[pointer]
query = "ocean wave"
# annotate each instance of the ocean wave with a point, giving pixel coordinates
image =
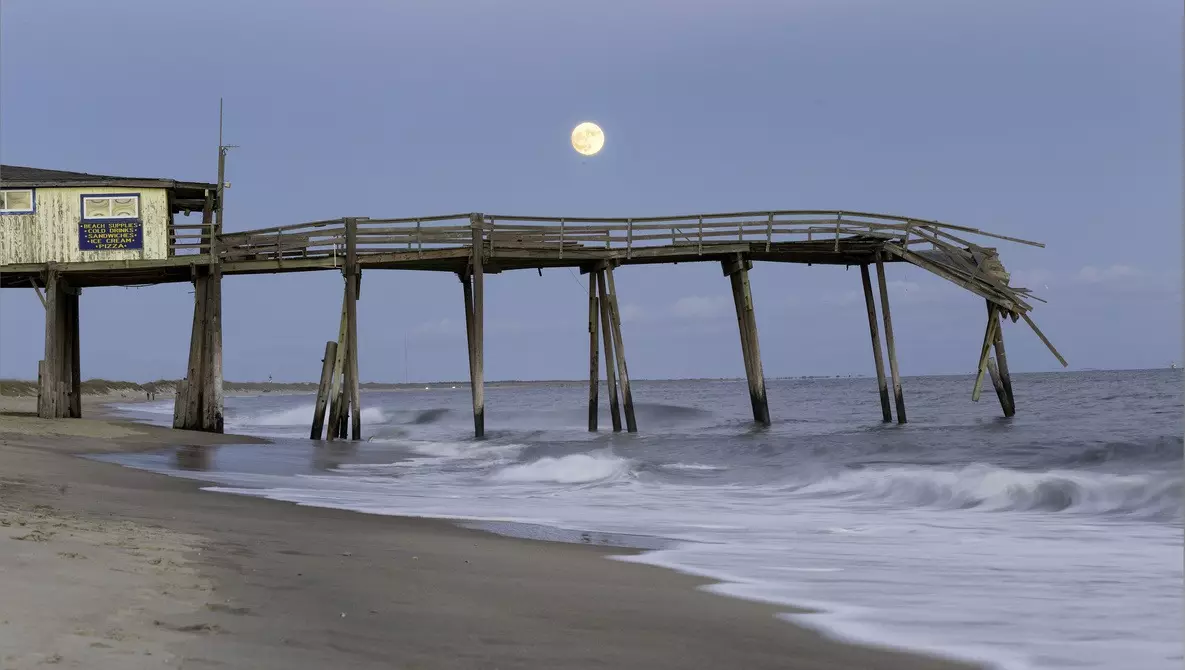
(570, 469)
(302, 415)
(991, 488)
(692, 466)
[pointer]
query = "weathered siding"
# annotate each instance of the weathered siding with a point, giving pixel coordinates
(51, 233)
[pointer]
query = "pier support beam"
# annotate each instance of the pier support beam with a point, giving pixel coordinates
(610, 359)
(881, 384)
(199, 400)
(474, 318)
(898, 394)
(594, 372)
(353, 277)
(737, 271)
(1009, 407)
(323, 390)
(59, 383)
(337, 386)
(623, 375)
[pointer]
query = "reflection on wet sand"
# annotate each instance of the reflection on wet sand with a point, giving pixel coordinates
(330, 455)
(194, 457)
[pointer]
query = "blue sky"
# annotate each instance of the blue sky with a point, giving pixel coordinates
(1057, 120)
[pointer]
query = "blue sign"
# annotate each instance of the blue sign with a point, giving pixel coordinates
(110, 235)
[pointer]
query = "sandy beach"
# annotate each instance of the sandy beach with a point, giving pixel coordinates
(107, 567)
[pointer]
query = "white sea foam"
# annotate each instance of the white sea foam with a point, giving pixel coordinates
(302, 415)
(1002, 489)
(571, 469)
(693, 466)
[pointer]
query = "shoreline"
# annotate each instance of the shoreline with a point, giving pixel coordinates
(254, 552)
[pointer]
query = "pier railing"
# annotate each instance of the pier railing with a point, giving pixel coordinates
(700, 232)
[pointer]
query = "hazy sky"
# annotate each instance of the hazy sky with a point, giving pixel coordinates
(1057, 120)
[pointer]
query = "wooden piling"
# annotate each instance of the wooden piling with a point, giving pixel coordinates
(191, 419)
(352, 277)
(737, 271)
(881, 383)
(610, 360)
(211, 419)
(323, 389)
(51, 369)
(998, 384)
(1002, 361)
(594, 372)
(179, 399)
(898, 394)
(623, 375)
(75, 356)
(336, 411)
(477, 222)
(985, 352)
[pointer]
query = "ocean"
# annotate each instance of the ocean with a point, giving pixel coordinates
(1050, 540)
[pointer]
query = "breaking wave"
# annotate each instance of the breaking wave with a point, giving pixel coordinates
(571, 469)
(303, 415)
(991, 488)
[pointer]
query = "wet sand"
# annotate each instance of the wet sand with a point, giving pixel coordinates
(118, 568)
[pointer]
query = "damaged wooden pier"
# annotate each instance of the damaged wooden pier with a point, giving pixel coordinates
(473, 245)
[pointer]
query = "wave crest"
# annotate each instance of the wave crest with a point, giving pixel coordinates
(1001, 489)
(571, 469)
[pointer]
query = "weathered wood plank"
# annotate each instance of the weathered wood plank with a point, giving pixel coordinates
(737, 271)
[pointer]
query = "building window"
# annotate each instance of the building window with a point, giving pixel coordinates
(108, 207)
(16, 201)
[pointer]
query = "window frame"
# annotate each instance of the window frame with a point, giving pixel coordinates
(108, 196)
(4, 211)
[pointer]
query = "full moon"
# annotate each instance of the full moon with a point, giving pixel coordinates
(587, 138)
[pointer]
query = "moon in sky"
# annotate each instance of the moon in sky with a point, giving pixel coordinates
(588, 138)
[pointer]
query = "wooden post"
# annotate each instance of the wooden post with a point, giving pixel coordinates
(476, 222)
(623, 374)
(985, 352)
(51, 370)
(75, 355)
(41, 396)
(467, 292)
(323, 390)
(1002, 361)
(737, 271)
(610, 360)
(191, 418)
(352, 276)
(211, 368)
(594, 372)
(881, 384)
(335, 393)
(179, 403)
(898, 394)
(998, 384)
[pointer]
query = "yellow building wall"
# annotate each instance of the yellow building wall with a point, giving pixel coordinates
(51, 233)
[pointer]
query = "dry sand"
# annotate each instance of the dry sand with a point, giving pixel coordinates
(117, 568)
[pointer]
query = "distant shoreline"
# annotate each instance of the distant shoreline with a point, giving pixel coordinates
(167, 387)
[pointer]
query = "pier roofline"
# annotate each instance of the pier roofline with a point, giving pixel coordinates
(472, 245)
